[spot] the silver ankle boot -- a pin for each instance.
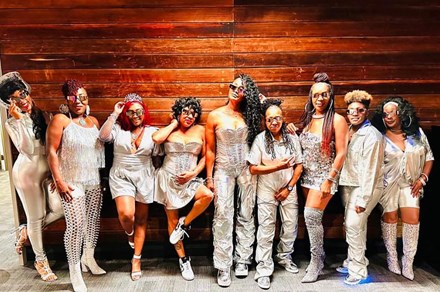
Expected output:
(313, 218)
(410, 240)
(389, 235)
(76, 278)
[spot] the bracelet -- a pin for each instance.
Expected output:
(332, 179)
(336, 170)
(426, 177)
(422, 181)
(113, 116)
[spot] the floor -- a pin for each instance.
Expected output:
(162, 273)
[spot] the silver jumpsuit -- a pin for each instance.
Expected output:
(81, 154)
(267, 205)
(231, 169)
(361, 184)
(132, 174)
(402, 168)
(28, 174)
(179, 158)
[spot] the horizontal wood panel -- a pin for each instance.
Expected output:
(335, 29)
(116, 46)
(329, 13)
(130, 75)
(336, 44)
(336, 58)
(115, 15)
(112, 3)
(334, 3)
(117, 31)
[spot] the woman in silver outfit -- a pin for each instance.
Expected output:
(230, 130)
(276, 158)
(408, 163)
(132, 173)
(75, 155)
(361, 183)
(27, 129)
(324, 145)
(177, 182)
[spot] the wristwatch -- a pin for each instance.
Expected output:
(289, 188)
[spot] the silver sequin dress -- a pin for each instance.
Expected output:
(316, 165)
(179, 158)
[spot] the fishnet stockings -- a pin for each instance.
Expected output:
(75, 214)
(94, 204)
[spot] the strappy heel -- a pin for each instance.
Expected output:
(21, 239)
(45, 271)
(130, 243)
(135, 275)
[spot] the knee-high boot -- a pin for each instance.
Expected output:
(410, 241)
(389, 235)
(313, 219)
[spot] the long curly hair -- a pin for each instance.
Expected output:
(268, 138)
(39, 125)
(191, 103)
(309, 110)
(250, 107)
(409, 122)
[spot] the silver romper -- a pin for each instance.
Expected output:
(179, 158)
(28, 174)
(132, 174)
(402, 168)
(267, 205)
(316, 165)
(231, 169)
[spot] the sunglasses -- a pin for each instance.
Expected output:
(324, 95)
(390, 114)
(277, 119)
(234, 88)
(23, 94)
(187, 112)
(353, 111)
(74, 98)
(139, 112)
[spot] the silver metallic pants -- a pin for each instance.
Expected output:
(28, 176)
(223, 223)
(356, 230)
(267, 216)
(82, 220)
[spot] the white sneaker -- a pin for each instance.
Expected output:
(179, 232)
(224, 278)
(241, 270)
(290, 266)
(264, 282)
(186, 270)
(341, 269)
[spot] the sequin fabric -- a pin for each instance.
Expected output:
(316, 165)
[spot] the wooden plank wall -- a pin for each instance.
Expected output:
(165, 49)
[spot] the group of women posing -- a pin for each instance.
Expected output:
(245, 140)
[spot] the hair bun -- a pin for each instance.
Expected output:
(321, 77)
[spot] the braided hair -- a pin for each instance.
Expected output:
(268, 138)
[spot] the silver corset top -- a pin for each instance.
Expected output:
(81, 154)
(231, 147)
(180, 157)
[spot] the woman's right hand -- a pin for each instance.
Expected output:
(119, 106)
(65, 191)
(15, 111)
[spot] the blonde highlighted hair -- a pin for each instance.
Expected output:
(358, 96)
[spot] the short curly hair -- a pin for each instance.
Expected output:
(191, 103)
(70, 87)
(409, 122)
(358, 96)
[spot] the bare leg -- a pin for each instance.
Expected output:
(203, 198)
(173, 218)
(140, 230)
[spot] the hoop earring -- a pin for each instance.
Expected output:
(409, 124)
(64, 109)
(87, 110)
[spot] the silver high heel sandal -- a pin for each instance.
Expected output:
(130, 243)
(136, 275)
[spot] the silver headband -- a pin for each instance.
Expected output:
(391, 102)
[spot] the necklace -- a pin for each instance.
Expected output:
(134, 137)
(82, 121)
(317, 116)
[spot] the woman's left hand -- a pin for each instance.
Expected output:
(282, 194)
(416, 189)
(184, 177)
(291, 128)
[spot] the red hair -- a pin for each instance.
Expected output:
(124, 121)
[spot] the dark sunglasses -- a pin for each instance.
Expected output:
(353, 111)
(234, 88)
(276, 119)
(22, 95)
(139, 112)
